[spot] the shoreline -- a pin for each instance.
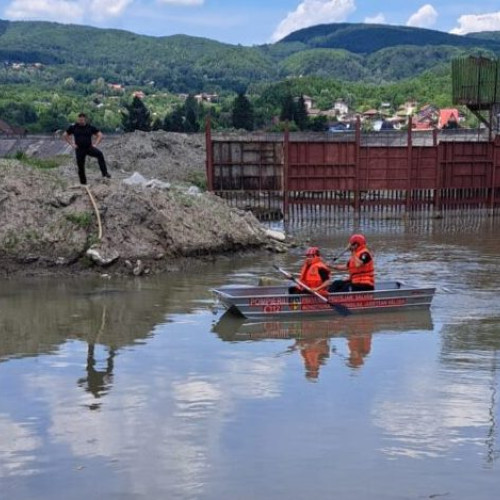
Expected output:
(50, 228)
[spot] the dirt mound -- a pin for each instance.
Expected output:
(160, 155)
(47, 223)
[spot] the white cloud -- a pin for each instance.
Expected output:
(312, 12)
(54, 10)
(377, 19)
(472, 23)
(65, 10)
(425, 17)
(183, 2)
(110, 8)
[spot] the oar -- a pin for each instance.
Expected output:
(341, 309)
(337, 257)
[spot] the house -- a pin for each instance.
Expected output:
(314, 112)
(116, 87)
(422, 124)
(10, 130)
(139, 94)
(341, 107)
(448, 118)
(203, 97)
(370, 114)
(309, 102)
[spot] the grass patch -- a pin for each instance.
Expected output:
(81, 219)
(41, 163)
(11, 240)
(198, 179)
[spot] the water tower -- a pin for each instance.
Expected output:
(476, 84)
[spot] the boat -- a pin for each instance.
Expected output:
(275, 301)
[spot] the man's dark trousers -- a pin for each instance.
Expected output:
(81, 154)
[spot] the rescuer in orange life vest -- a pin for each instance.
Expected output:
(360, 268)
(314, 273)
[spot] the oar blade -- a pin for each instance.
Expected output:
(341, 309)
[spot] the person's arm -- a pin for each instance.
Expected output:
(67, 137)
(340, 267)
(98, 137)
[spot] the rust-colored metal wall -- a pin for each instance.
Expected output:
(356, 171)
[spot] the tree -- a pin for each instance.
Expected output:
(300, 115)
(319, 124)
(136, 117)
(242, 114)
(191, 110)
(18, 113)
(287, 108)
(51, 119)
(174, 122)
(191, 122)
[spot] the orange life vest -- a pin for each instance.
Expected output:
(364, 274)
(309, 274)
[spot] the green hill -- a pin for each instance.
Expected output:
(179, 63)
(369, 38)
(50, 71)
(486, 35)
(352, 52)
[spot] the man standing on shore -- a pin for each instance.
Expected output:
(82, 133)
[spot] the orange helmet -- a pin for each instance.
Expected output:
(312, 252)
(357, 239)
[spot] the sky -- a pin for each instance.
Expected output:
(253, 22)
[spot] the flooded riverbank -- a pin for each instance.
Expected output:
(138, 389)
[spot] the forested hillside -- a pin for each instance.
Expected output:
(49, 71)
(368, 38)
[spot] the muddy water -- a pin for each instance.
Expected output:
(121, 389)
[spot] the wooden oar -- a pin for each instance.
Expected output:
(337, 257)
(341, 309)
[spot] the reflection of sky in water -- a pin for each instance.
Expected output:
(167, 417)
(187, 413)
(18, 444)
(429, 419)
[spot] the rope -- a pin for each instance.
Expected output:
(94, 204)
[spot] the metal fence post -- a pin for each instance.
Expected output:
(209, 163)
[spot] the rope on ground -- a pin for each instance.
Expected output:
(98, 215)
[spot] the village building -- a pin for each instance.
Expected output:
(341, 107)
(117, 87)
(203, 97)
(308, 102)
(448, 118)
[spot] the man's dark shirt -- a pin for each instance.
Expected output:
(83, 134)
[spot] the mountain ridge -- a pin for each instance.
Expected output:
(182, 63)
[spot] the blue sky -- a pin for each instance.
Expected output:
(255, 21)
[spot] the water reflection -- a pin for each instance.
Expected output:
(470, 350)
(449, 404)
(313, 336)
(192, 409)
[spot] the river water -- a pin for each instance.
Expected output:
(138, 389)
